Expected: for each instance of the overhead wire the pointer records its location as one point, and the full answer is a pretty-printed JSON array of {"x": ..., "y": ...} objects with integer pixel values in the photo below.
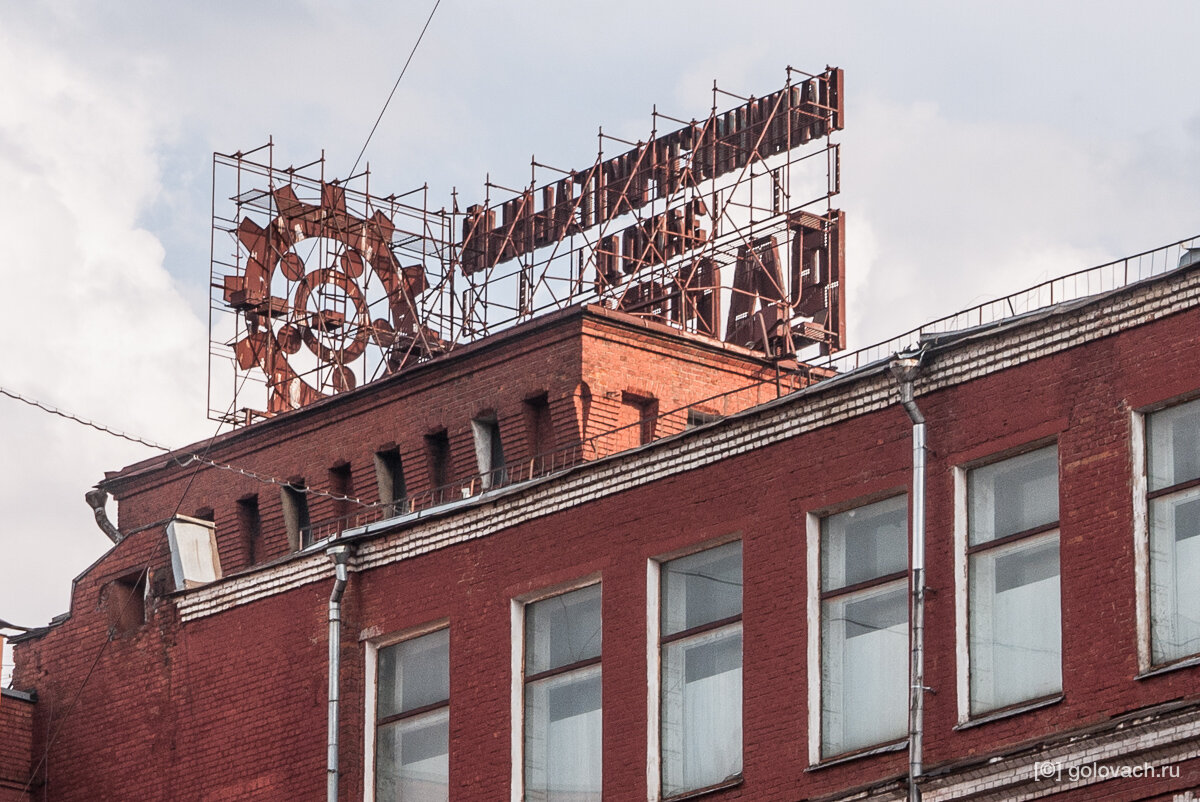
[
  {"x": 200, "y": 459},
  {"x": 143, "y": 577},
  {"x": 396, "y": 85},
  {"x": 184, "y": 461}
]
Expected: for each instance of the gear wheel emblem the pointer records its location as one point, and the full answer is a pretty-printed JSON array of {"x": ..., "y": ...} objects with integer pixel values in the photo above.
[{"x": 307, "y": 322}]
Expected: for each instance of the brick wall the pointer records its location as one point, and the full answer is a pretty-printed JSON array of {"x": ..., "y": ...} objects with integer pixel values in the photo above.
[
  {"x": 16, "y": 746},
  {"x": 230, "y": 704}
]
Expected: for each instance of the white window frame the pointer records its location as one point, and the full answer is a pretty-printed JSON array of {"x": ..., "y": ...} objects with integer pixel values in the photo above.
[
  {"x": 1140, "y": 486},
  {"x": 813, "y": 589},
  {"x": 962, "y": 584},
  {"x": 371, "y": 693},
  {"x": 517, "y": 672},
  {"x": 654, "y": 655}
]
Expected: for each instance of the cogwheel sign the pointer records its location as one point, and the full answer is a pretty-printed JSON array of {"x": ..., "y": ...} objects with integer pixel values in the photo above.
[{"x": 335, "y": 338}]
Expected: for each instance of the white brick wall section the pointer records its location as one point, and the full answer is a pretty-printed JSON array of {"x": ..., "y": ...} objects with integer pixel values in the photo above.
[{"x": 823, "y": 406}]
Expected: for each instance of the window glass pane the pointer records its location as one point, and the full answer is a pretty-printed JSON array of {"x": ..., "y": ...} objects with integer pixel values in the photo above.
[
  {"x": 562, "y": 630},
  {"x": 864, "y": 668},
  {"x": 1173, "y": 442},
  {"x": 1015, "y": 623},
  {"x": 562, "y": 737},
  {"x": 413, "y": 674},
  {"x": 1014, "y": 495},
  {"x": 1175, "y": 575},
  {"x": 412, "y": 759},
  {"x": 702, "y": 588},
  {"x": 702, "y": 709},
  {"x": 864, "y": 543}
]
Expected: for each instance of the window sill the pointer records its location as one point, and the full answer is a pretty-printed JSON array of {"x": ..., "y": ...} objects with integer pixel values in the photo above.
[
  {"x": 1007, "y": 712},
  {"x": 1167, "y": 668},
  {"x": 898, "y": 746},
  {"x": 731, "y": 782}
]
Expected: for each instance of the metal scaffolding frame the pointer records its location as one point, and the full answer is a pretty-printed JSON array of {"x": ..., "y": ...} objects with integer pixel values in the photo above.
[{"x": 721, "y": 227}]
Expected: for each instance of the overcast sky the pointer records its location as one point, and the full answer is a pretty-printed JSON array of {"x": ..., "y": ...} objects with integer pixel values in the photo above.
[{"x": 987, "y": 146}]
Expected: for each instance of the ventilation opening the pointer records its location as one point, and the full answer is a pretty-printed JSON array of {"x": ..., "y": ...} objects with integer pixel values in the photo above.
[
  {"x": 489, "y": 452},
  {"x": 438, "y": 447},
  {"x": 295, "y": 515},
  {"x": 640, "y": 414},
  {"x": 249, "y": 522},
  {"x": 124, "y": 602},
  {"x": 540, "y": 427},
  {"x": 389, "y": 475},
  {"x": 341, "y": 483}
]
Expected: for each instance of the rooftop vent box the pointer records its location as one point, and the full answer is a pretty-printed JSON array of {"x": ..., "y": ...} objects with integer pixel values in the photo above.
[{"x": 194, "y": 557}]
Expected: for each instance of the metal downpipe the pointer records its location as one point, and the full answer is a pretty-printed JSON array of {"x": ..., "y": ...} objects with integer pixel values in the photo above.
[
  {"x": 340, "y": 556},
  {"x": 904, "y": 370}
]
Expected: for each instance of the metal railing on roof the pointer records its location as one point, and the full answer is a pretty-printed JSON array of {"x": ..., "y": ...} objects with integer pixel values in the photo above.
[
  {"x": 603, "y": 444},
  {"x": 1071, "y": 287}
]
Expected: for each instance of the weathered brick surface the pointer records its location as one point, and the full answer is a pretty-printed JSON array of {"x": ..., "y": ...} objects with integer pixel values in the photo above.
[
  {"x": 230, "y": 703},
  {"x": 16, "y": 747}
]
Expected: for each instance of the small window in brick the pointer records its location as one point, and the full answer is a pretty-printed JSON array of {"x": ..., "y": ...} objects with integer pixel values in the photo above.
[
  {"x": 341, "y": 483},
  {"x": 249, "y": 522},
  {"x": 698, "y": 417},
  {"x": 438, "y": 447},
  {"x": 489, "y": 452},
  {"x": 539, "y": 425},
  {"x": 389, "y": 475},
  {"x": 295, "y": 514},
  {"x": 124, "y": 602}
]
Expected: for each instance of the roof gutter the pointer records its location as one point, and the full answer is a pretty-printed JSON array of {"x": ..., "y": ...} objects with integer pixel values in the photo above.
[
  {"x": 904, "y": 370},
  {"x": 97, "y": 499},
  {"x": 340, "y": 554}
]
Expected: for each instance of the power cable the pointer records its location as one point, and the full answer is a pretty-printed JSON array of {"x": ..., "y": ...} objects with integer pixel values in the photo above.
[
  {"x": 143, "y": 575},
  {"x": 395, "y": 86},
  {"x": 184, "y": 461}
]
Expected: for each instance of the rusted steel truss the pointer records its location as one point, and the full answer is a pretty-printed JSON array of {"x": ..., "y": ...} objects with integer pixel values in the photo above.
[{"x": 721, "y": 227}]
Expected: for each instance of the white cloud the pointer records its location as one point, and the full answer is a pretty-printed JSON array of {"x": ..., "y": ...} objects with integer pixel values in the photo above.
[
  {"x": 986, "y": 149},
  {"x": 959, "y": 212},
  {"x": 92, "y": 321}
]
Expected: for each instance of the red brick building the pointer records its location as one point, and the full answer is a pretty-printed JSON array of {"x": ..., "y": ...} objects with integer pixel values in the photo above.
[{"x": 664, "y": 567}]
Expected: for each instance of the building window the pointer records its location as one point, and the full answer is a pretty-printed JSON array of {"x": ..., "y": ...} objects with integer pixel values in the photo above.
[
  {"x": 295, "y": 514},
  {"x": 1015, "y": 622},
  {"x": 1173, "y": 491},
  {"x": 699, "y": 417},
  {"x": 412, "y": 719},
  {"x": 389, "y": 476},
  {"x": 701, "y": 659},
  {"x": 864, "y": 626},
  {"x": 562, "y": 697},
  {"x": 489, "y": 452}
]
